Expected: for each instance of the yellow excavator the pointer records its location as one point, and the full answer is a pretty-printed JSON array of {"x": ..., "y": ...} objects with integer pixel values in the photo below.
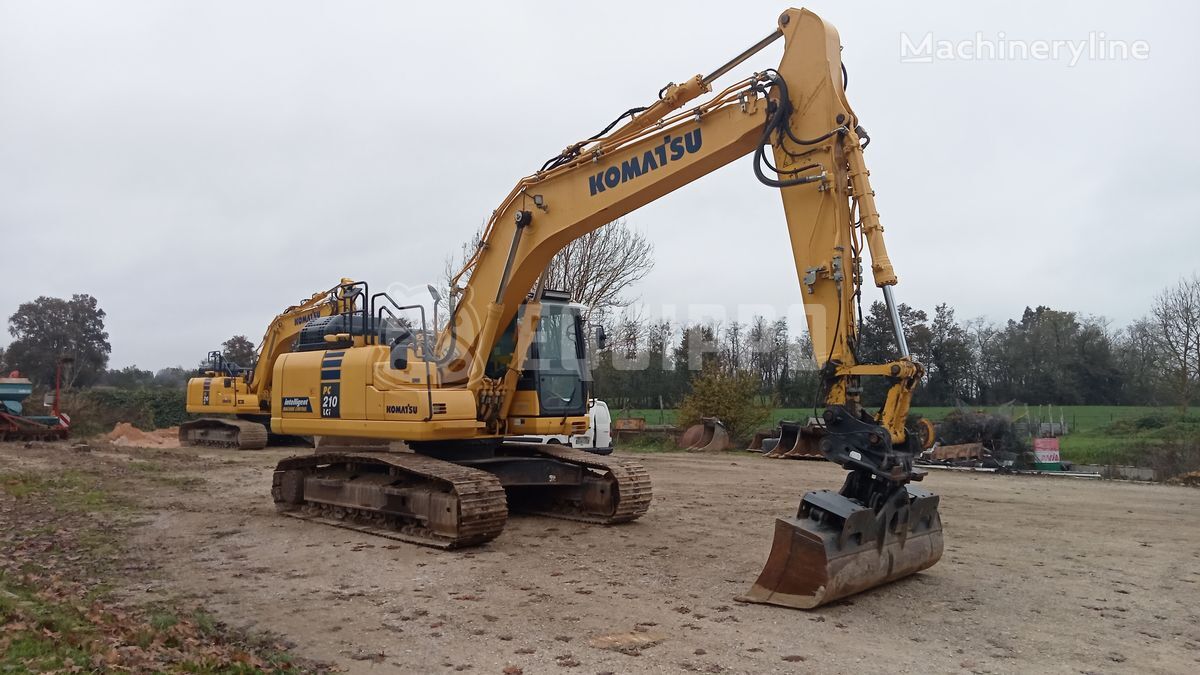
[
  {"x": 242, "y": 395},
  {"x": 511, "y": 361}
]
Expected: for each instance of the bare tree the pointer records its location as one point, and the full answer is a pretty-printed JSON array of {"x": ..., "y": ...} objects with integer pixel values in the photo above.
[
  {"x": 599, "y": 267},
  {"x": 987, "y": 358},
  {"x": 1175, "y": 319},
  {"x": 630, "y": 336},
  {"x": 1138, "y": 358},
  {"x": 734, "y": 345}
]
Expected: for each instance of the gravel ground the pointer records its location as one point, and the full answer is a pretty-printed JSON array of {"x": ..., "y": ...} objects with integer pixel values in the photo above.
[{"x": 1039, "y": 575}]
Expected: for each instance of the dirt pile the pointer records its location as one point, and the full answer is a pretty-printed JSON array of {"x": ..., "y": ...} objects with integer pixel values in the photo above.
[
  {"x": 1191, "y": 478},
  {"x": 128, "y": 436}
]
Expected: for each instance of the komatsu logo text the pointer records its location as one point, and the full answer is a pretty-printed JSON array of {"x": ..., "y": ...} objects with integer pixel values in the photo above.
[
  {"x": 672, "y": 149},
  {"x": 402, "y": 409},
  {"x": 305, "y": 318}
]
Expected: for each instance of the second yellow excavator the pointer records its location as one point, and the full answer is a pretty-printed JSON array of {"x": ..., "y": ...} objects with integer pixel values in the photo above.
[
  {"x": 236, "y": 400},
  {"x": 511, "y": 361}
]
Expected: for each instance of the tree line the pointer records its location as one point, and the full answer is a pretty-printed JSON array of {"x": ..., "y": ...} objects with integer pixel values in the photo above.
[
  {"x": 1046, "y": 355},
  {"x": 46, "y": 329},
  {"x": 237, "y": 350}
]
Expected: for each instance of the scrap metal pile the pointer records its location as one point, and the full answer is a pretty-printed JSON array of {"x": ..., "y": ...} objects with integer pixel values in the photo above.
[{"x": 16, "y": 424}]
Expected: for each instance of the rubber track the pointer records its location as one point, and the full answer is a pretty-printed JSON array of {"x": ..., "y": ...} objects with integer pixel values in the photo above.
[
  {"x": 633, "y": 483},
  {"x": 482, "y": 505},
  {"x": 250, "y": 435}
]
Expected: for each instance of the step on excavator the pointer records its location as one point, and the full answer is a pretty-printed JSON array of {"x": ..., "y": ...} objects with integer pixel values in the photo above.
[{"x": 511, "y": 361}]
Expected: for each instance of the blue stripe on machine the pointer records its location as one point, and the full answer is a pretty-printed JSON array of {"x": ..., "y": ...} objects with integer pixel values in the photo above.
[
  {"x": 330, "y": 355},
  {"x": 332, "y": 374},
  {"x": 331, "y": 363}
]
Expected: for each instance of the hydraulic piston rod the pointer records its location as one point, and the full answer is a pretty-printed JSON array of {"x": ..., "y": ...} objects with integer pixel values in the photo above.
[{"x": 897, "y": 328}]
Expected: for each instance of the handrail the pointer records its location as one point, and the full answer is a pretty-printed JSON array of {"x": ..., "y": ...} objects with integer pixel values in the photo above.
[{"x": 377, "y": 317}]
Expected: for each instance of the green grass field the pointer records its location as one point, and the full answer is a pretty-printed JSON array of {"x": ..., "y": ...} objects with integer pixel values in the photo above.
[{"x": 1090, "y": 441}]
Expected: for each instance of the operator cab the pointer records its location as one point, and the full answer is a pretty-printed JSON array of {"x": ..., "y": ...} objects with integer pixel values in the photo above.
[{"x": 556, "y": 367}]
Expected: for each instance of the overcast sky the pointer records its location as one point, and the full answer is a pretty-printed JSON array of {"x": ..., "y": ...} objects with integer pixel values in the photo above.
[{"x": 198, "y": 166}]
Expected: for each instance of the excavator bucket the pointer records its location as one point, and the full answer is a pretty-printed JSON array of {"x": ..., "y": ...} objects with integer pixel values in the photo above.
[
  {"x": 756, "y": 443},
  {"x": 798, "y": 441},
  {"x": 708, "y": 436},
  {"x": 836, "y": 547}
]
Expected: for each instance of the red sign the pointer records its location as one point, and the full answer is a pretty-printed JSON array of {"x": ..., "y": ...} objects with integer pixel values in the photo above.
[{"x": 1046, "y": 450}]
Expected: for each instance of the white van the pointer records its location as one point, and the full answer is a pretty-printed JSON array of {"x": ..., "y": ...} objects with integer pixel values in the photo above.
[{"x": 598, "y": 438}]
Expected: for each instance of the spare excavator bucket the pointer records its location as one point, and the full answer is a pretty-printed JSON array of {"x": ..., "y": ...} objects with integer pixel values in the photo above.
[
  {"x": 708, "y": 436},
  {"x": 799, "y": 441},
  {"x": 836, "y": 547},
  {"x": 756, "y": 443}
]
